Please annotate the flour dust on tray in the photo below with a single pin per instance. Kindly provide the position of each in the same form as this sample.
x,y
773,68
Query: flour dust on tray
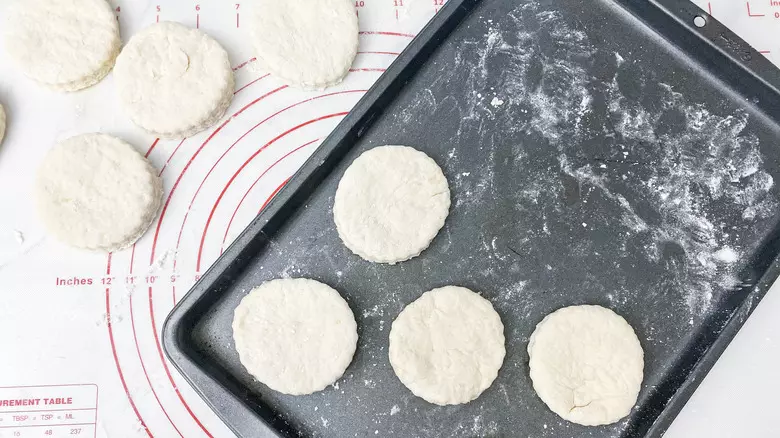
x,y
295,335
66,45
174,81
307,43
605,149
391,203
447,346
586,364
95,191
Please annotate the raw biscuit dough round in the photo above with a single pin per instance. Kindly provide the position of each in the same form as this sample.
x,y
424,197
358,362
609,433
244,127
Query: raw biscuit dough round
x,y
307,43
296,336
586,364
2,123
391,203
174,81
447,346
95,191
66,45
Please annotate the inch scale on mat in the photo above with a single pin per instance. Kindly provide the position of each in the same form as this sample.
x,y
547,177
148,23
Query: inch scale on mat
x,y
107,312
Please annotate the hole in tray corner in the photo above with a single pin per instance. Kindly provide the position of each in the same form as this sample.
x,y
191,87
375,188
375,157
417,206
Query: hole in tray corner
x,y
699,21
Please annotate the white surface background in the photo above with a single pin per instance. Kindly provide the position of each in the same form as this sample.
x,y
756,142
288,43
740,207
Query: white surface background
x,y
88,335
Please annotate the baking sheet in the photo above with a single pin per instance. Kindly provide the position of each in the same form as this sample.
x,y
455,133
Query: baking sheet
x,y
589,162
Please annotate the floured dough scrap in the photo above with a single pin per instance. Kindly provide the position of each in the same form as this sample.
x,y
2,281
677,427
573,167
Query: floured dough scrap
x,y
296,336
307,43
391,203
2,123
447,346
66,45
586,364
174,81
95,191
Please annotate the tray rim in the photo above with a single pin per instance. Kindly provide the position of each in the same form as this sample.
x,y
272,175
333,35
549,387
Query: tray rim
x,y
715,48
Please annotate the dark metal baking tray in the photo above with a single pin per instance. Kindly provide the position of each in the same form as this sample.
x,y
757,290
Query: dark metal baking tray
x,y
603,152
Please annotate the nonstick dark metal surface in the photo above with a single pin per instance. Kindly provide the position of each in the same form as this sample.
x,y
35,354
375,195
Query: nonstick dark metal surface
x,y
593,157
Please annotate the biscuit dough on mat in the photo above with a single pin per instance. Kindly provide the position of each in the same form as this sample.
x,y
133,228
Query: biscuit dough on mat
x,y
391,203
174,81
296,336
447,346
306,43
586,364
65,45
95,191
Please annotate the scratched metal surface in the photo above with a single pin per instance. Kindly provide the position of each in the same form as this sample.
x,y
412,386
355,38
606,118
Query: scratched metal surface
x,y
589,163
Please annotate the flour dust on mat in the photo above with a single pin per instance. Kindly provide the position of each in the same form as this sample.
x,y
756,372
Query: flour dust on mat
x,y
174,81
586,364
2,123
391,203
447,346
95,191
295,335
306,43
66,45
